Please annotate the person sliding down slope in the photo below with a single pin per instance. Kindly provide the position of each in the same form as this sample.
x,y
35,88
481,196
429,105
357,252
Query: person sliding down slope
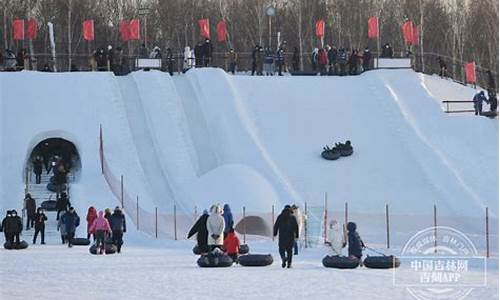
x,y
336,239
215,228
200,229
100,228
286,226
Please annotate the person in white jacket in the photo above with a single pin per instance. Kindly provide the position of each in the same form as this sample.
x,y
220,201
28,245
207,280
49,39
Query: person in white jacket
x,y
336,239
187,59
300,222
215,228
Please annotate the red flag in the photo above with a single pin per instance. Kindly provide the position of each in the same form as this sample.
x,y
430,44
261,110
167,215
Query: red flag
x,y
221,31
32,29
320,28
470,72
125,30
415,35
18,29
134,33
204,28
88,30
408,31
373,28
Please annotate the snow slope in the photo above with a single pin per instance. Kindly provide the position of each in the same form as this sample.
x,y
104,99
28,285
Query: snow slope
x,y
178,140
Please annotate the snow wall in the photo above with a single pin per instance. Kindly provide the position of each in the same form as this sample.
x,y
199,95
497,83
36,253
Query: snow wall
x,y
207,137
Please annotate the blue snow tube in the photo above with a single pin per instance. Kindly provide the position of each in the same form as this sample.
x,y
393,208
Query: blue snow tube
x,y
214,261
340,262
381,262
20,246
332,154
256,260
109,249
49,205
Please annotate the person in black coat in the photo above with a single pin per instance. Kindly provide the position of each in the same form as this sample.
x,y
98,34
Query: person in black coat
x,y
118,228
170,62
288,229
443,70
492,100
356,245
4,222
30,206
13,228
198,55
40,219
62,204
254,59
207,52
367,57
38,168
200,227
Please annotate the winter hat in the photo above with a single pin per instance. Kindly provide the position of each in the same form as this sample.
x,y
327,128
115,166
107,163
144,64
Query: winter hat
x,y
351,226
205,212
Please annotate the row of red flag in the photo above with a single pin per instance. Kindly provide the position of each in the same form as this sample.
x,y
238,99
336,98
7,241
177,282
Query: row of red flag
x,y
19,25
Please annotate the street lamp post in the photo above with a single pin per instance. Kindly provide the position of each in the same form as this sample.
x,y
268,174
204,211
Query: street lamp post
x,y
270,12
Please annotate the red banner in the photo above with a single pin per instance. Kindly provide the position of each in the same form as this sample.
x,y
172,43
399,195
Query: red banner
x,y
125,30
88,30
204,28
32,29
134,32
18,29
221,31
320,28
373,28
408,31
470,72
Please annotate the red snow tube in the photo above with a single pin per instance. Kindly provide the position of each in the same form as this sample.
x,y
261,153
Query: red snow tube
x,y
381,262
9,246
109,249
340,262
256,260
214,261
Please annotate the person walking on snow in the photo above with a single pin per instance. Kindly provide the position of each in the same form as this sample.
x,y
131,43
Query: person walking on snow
x,y
100,228
336,239
286,226
228,219
215,228
40,219
91,216
118,228
200,229
356,245
38,168
30,206
232,245
70,221
478,102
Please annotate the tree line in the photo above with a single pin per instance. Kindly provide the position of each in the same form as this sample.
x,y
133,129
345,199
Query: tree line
x,y
459,29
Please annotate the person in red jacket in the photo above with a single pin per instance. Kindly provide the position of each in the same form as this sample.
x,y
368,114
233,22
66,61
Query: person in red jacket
x,y
232,245
91,216
322,61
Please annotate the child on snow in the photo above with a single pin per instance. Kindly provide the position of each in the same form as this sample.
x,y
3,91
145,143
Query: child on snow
x,y
356,245
232,245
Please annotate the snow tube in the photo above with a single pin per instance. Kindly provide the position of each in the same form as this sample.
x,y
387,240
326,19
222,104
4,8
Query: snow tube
x,y
381,262
213,261
49,205
340,262
53,187
80,242
109,249
9,246
244,249
330,154
196,250
489,114
346,151
256,260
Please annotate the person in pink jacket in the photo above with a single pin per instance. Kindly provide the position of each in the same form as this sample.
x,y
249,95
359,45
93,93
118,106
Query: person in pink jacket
x,y
100,227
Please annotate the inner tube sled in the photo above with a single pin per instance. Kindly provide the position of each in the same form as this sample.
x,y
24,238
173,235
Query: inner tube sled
x,y
244,249
332,154
20,246
346,151
53,187
214,261
340,262
256,260
196,250
49,205
80,242
109,249
382,262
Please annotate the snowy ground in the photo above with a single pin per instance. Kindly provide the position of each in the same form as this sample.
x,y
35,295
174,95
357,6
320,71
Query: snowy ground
x,y
168,270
